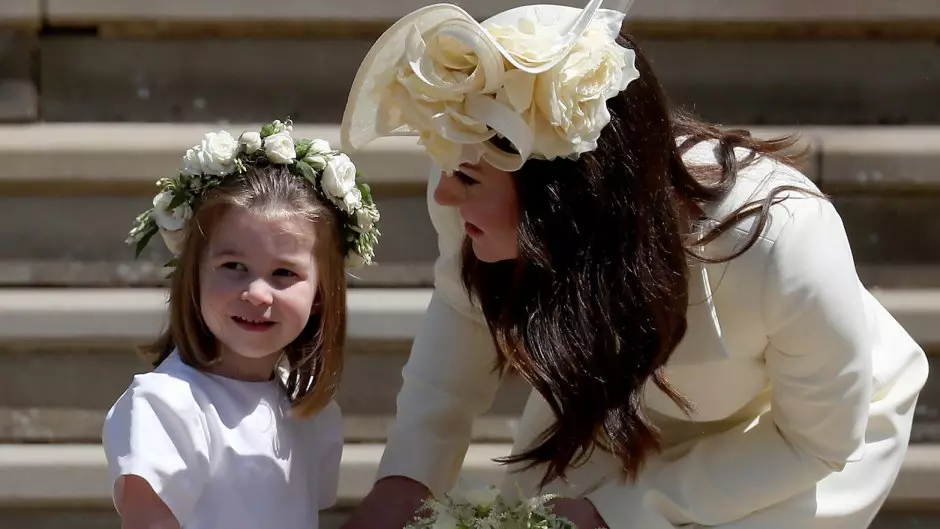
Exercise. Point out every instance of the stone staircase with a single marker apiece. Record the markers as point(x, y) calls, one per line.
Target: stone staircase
point(98, 98)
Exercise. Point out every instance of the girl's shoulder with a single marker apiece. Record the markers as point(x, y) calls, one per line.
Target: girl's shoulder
point(173, 389)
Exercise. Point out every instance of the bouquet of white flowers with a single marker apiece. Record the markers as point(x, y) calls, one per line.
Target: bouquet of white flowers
point(485, 509)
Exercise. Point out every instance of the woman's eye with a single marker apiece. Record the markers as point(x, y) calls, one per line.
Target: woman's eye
point(465, 179)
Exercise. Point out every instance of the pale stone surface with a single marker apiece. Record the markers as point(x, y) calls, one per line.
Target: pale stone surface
point(55, 425)
point(136, 315)
point(145, 152)
point(94, 228)
point(19, 100)
point(371, 380)
point(744, 81)
point(667, 10)
point(103, 518)
point(892, 229)
point(149, 273)
point(20, 11)
point(896, 230)
point(874, 159)
point(78, 473)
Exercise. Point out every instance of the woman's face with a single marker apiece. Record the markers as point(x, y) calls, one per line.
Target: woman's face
point(486, 199)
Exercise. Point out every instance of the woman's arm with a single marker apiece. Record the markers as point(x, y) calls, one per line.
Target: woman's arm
point(448, 381)
point(819, 365)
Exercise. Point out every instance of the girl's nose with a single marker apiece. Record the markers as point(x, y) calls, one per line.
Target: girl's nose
point(258, 293)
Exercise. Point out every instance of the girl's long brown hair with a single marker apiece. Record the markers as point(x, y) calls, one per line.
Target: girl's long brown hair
point(596, 302)
point(315, 357)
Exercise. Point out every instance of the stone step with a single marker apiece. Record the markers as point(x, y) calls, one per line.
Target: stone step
point(75, 316)
point(778, 81)
point(287, 10)
point(105, 518)
point(20, 14)
point(836, 18)
point(66, 338)
point(70, 475)
point(130, 316)
point(120, 159)
point(882, 179)
point(79, 240)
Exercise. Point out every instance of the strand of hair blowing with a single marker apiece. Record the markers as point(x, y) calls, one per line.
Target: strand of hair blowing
point(596, 303)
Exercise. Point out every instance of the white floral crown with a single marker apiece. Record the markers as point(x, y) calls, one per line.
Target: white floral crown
point(538, 76)
point(219, 156)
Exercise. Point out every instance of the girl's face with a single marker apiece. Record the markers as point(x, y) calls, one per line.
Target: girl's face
point(258, 282)
point(486, 199)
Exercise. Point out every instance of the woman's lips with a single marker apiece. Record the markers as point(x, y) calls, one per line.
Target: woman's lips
point(472, 230)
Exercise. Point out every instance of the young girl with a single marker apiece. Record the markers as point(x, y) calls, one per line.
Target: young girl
point(682, 299)
point(237, 426)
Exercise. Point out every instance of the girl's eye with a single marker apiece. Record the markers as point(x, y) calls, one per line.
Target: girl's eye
point(283, 272)
point(234, 266)
point(465, 179)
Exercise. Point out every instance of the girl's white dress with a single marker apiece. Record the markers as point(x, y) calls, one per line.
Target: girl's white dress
point(223, 452)
point(804, 385)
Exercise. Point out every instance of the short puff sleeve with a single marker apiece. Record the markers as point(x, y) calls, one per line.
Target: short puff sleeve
point(156, 431)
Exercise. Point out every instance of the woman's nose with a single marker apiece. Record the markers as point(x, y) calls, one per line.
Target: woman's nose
point(258, 293)
point(448, 192)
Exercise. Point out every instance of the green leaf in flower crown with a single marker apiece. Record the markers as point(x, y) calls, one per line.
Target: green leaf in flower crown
point(302, 147)
point(178, 200)
point(267, 130)
point(306, 171)
point(151, 230)
point(172, 263)
point(366, 192)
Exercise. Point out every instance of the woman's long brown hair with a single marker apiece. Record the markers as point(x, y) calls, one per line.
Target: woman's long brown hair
point(596, 302)
point(315, 357)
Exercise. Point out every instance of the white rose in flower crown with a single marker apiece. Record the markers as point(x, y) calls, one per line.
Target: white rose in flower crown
point(215, 155)
point(573, 95)
point(282, 127)
point(366, 218)
point(192, 165)
point(319, 147)
point(174, 240)
point(279, 148)
point(339, 176)
point(317, 161)
point(352, 200)
point(251, 141)
point(170, 220)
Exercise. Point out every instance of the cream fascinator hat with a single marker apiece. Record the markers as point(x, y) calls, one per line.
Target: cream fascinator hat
point(537, 75)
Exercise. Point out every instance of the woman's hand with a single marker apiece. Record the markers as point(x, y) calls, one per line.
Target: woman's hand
point(392, 504)
point(580, 511)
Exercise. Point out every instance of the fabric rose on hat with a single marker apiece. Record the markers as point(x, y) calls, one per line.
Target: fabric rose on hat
point(572, 96)
point(427, 90)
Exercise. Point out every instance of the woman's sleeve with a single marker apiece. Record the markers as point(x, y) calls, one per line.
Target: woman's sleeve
point(819, 365)
point(449, 378)
point(155, 432)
